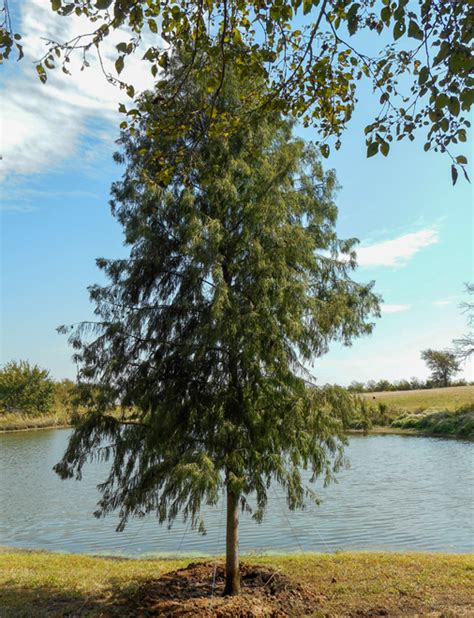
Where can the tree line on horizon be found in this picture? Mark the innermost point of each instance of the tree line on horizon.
(411, 384)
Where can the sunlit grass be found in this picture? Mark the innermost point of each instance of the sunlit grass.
(40, 583)
(441, 399)
(11, 421)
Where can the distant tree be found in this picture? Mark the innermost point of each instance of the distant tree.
(464, 346)
(416, 383)
(65, 393)
(371, 386)
(408, 385)
(383, 385)
(443, 364)
(356, 387)
(235, 278)
(25, 388)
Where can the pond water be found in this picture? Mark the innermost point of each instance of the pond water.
(399, 493)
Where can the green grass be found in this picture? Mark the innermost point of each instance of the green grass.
(12, 421)
(441, 399)
(457, 423)
(440, 411)
(44, 584)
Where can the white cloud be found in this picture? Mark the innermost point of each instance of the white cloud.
(42, 125)
(441, 303)
(396, 252)
(394, 308)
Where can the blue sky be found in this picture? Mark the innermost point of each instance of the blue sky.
(57, 140)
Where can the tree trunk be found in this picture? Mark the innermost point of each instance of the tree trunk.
(232, 569)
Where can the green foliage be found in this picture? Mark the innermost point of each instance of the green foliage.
(312, 56)
(373, 386)
(9, 40)
(443, 364)
(25, 388)
(66, 395)
(235, 279)
(458, 423)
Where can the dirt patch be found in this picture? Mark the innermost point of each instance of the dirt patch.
(197, 591)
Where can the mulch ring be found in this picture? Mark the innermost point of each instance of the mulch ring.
(197, 591)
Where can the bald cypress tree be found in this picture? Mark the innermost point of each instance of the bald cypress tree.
(235, 281)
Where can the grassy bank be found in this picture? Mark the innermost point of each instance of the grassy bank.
(362, 584)
(16, 421)
(438, 411)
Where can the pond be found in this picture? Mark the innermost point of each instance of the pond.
(399, 493)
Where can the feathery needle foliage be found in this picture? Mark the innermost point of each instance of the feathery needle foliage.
(236, 278)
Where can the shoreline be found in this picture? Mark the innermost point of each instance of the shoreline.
(172, 556)
(35, 424)
(379, 430)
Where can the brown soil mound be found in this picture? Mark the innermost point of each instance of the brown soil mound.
(197, 591)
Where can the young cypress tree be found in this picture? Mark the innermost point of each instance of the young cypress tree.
(236, 279)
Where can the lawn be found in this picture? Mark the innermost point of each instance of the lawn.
(341, 584)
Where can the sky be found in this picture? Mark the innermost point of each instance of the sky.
(415, 228)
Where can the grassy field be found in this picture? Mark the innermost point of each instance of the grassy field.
(439, 399)
(344, 584)
(437, 411)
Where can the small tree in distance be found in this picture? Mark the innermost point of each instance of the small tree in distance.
(235, 279)
(443, 365)
(25, 388)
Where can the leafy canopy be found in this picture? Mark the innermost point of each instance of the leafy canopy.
(312, 53)
(443, 364)
(235, 279)
(25, 388)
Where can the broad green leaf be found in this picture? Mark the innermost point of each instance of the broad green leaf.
(399, 29)
(372, 149)
(385, 14)
(325, 150)
(441, 101)
(454, 106)
(423, 75)
(119, 64)
(454, 174)
(384, 148)
(103, 4)
(414, 31)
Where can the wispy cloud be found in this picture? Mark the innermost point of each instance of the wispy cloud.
(43, 124)
(441, 303)
(398, 251)
(394, 308)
